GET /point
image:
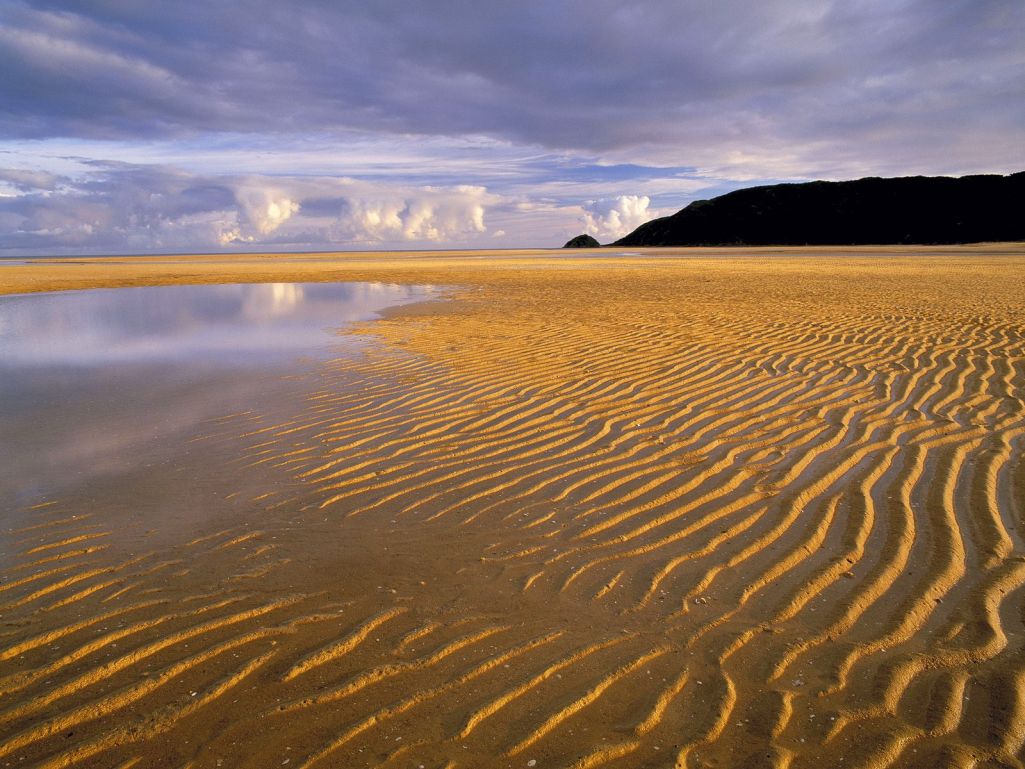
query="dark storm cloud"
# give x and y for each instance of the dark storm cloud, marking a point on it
(690, 77)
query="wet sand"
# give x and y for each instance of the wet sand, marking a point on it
(755, 508)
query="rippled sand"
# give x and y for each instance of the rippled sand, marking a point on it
(726, 508)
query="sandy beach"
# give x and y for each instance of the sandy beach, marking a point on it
(646, 508)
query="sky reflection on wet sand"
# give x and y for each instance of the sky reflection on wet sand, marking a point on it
(90, 381)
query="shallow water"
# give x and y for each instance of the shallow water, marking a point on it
(90, 381)
(237, 324)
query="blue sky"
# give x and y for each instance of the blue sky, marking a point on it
(130, 126)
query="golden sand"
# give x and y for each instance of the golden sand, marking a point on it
(737, 508)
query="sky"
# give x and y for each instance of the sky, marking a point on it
(129, 126)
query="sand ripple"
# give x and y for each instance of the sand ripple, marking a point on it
(687, 514)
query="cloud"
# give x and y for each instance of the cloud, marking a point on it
(122, 208)
(385, 124)
(27, 179)
(779, 86)
(612, 219)
(260, 211)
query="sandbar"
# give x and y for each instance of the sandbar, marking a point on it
(665, 507)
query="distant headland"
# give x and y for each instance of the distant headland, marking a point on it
(582, 241)
(871, 211)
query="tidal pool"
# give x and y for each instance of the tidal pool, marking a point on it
(101, 382)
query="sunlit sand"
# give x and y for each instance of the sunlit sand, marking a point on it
(735, 507)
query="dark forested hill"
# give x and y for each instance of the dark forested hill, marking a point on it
(915, 209)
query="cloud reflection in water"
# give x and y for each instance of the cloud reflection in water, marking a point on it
(93, 384)
(232, 323)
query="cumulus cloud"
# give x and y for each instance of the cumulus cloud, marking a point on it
(118, 208)
(611, 219)
(260, 211)
(375, 213)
